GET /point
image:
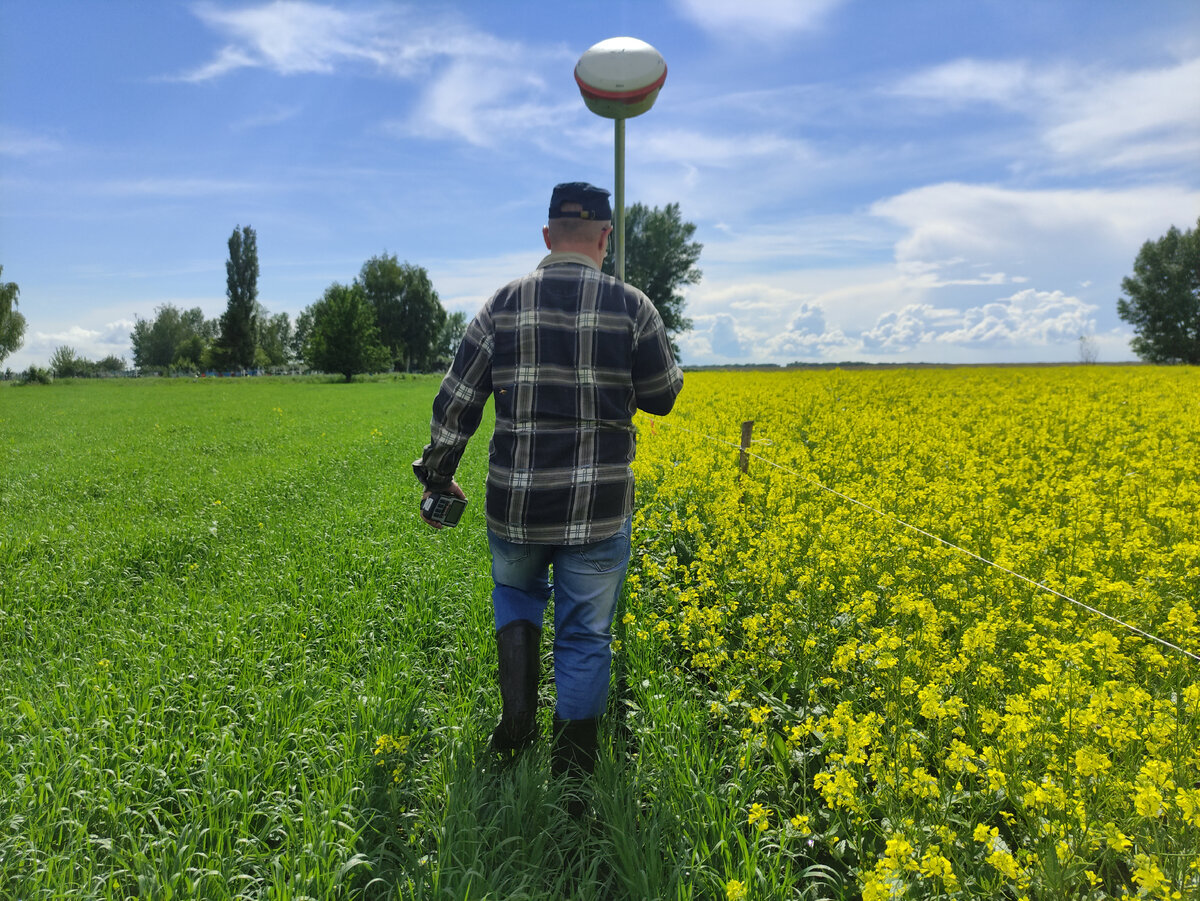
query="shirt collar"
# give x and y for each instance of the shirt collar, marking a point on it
(560, 257)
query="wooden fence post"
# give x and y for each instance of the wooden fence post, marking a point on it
(743, 455)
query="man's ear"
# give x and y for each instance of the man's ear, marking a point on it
(546, 235)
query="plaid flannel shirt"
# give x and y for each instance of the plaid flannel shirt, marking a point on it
(569, 354)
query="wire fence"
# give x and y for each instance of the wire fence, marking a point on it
(746, 454)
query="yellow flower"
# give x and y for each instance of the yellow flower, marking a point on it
(1148, 876)
(1147, 799)
(760, 817)
(735, 890)
(1004, 864)
(1188, 802)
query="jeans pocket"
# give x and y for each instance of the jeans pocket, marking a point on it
(510, 554)
(608, 554)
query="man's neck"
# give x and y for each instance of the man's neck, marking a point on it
(569, 256)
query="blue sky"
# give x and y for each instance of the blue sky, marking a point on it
(881, 180)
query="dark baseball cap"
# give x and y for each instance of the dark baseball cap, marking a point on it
(593, 200)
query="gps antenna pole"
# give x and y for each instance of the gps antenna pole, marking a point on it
(619, 178)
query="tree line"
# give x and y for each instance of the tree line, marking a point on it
(388, 318)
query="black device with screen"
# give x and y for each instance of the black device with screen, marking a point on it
(443, 508)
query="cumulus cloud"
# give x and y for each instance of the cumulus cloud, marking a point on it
(95, 343)
(975, 269)
(797, 344)
(809, 319)
(724, 336)
(1026, 319)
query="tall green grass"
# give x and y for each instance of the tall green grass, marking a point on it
(215, 599)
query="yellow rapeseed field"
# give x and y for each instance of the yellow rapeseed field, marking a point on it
(923, 719)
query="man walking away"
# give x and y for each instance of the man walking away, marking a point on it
(569, 354)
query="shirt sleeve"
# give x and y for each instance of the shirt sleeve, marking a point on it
(458, 407)
(657, 379)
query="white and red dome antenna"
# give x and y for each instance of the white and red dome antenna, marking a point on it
(620, 78)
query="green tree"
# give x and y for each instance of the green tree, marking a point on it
(660, 258)
(451, 336)
(112, 363)
(299, 339)
(66, 363)
(407, 310)
(239, 323)
(343, 337)
(1162, 298)
(12, 323)
(274, 339)
(173, 337)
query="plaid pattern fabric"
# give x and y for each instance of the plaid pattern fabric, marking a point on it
(568, 354)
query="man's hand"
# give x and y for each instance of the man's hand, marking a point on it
(452, 490)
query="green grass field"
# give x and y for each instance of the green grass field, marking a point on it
(215, 599)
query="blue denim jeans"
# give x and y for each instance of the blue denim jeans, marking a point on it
(586, 584)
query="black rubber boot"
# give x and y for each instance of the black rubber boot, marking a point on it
(519, 652)
(573, 760)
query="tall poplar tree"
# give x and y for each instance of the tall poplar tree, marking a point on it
(239, 322)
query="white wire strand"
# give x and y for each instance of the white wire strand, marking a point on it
(883, 513)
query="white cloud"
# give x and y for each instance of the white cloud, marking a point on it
(902, 330)
(975, 269)
(1084, 116)
(725, 339)
(1131, 118)
(721, 150)
(19, 142)
(473, 86)
(763, 19)
(464, 284)
(809, 318)
(953, 227)
(1026, 319)
(110, 338)
(483, 101)
(277, 115)
(1004, 82)
(807, 337)
(293, 37)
